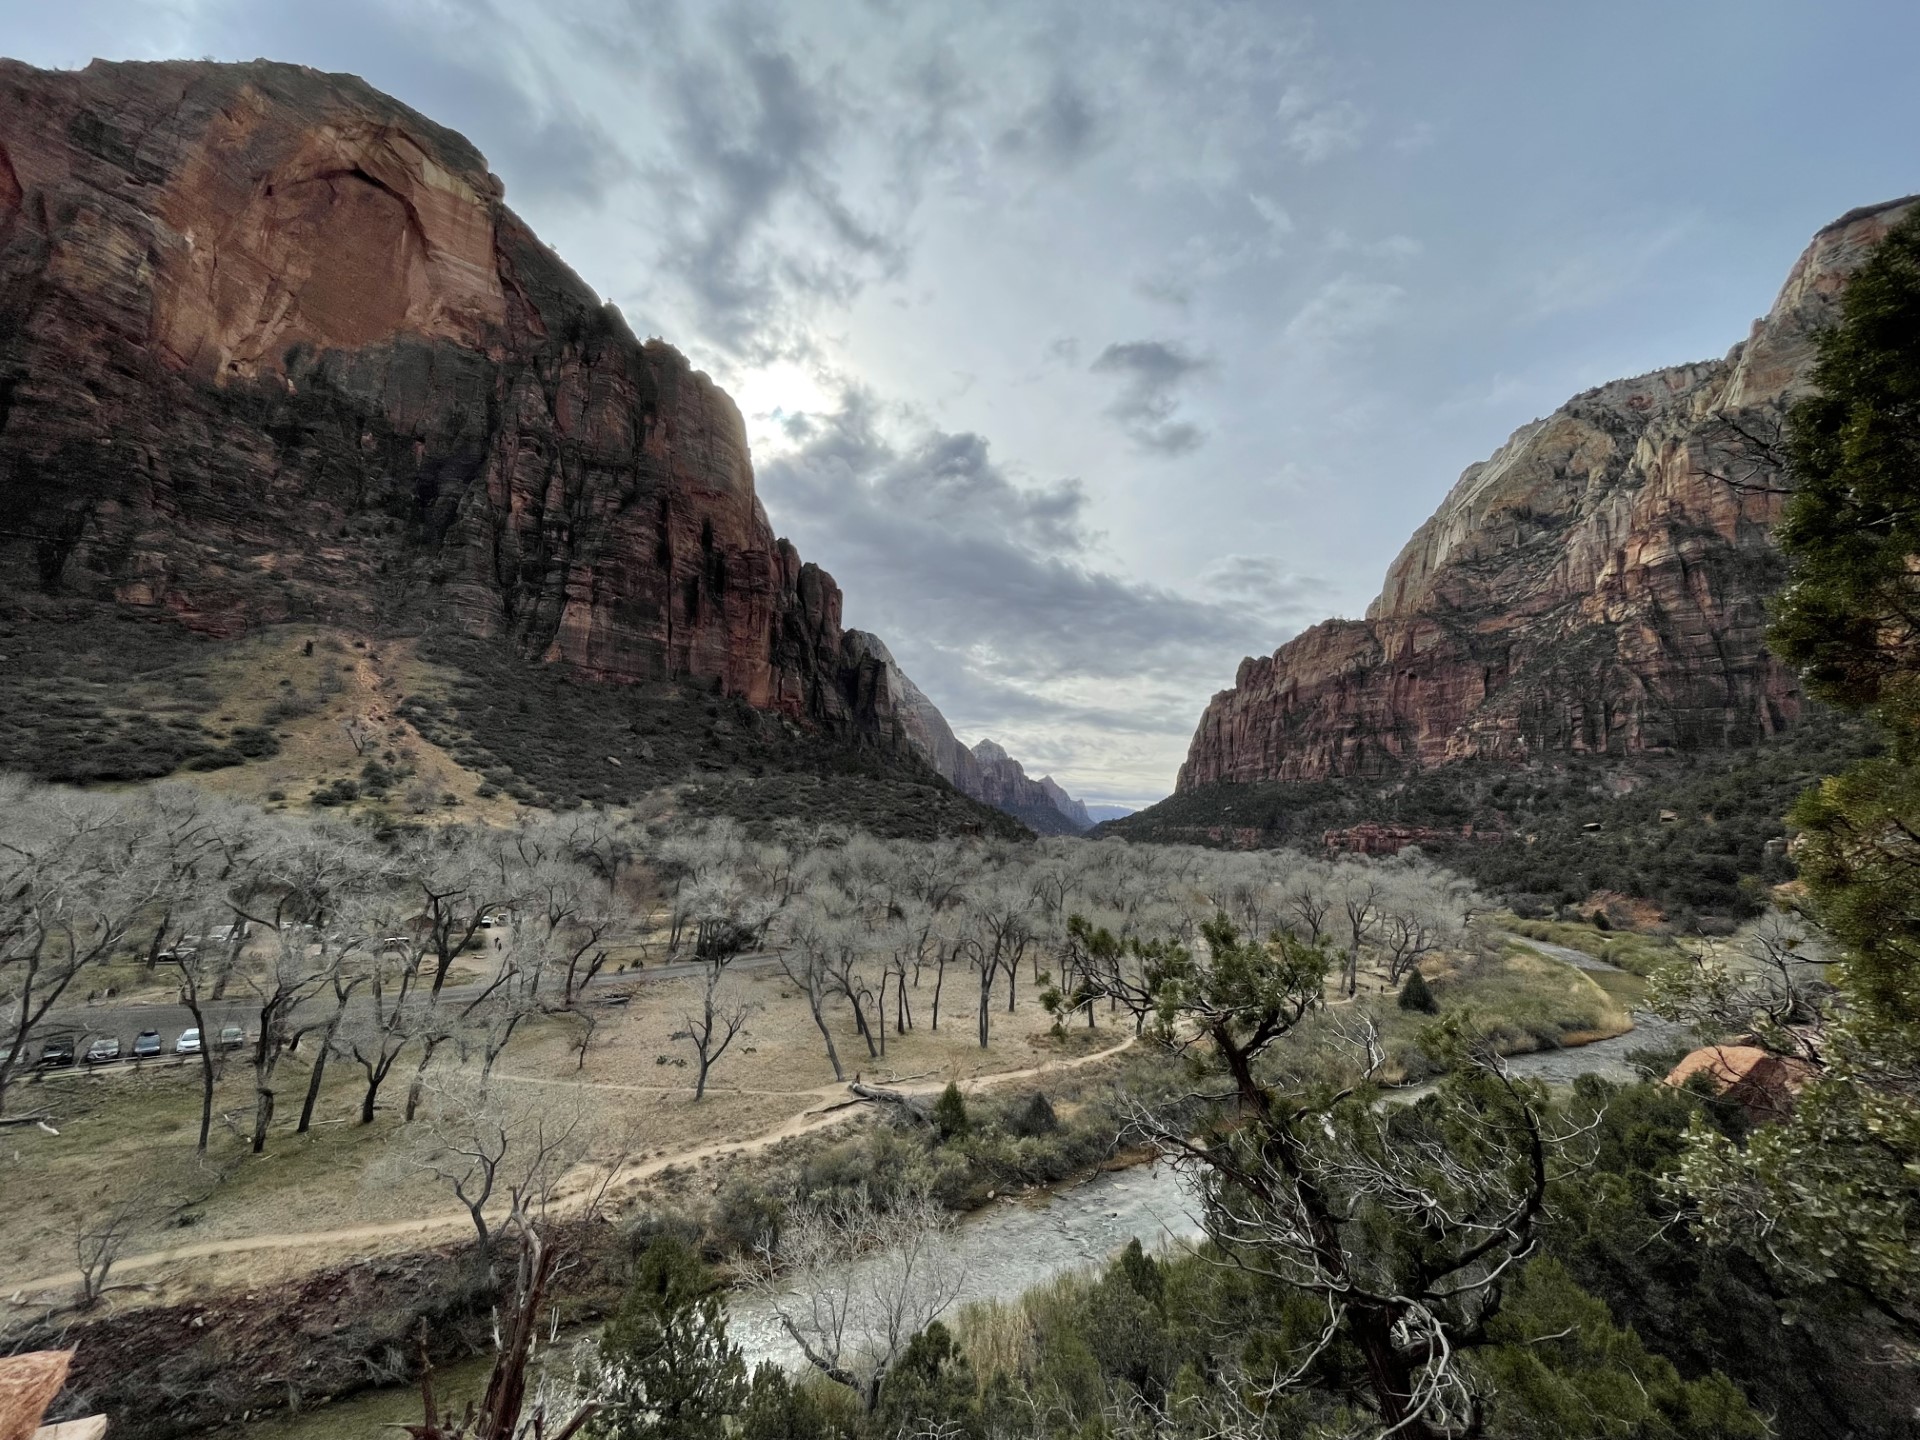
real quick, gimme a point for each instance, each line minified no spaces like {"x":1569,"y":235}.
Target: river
{"x":1006,"y":1249}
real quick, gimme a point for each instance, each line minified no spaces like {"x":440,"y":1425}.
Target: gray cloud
{"x":1152,"y":374}
{"x":1059,"y":130}
{"x":753,"y":137}
{"x":986,"y":588}
{"x":1316,"y":129}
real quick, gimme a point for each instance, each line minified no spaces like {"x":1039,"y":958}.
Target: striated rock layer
{"x":1599,"y":585}
{"x":272,"y":348}
{"x":986,"y":772}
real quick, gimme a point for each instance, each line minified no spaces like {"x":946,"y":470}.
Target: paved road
{"x":124,"y":1019}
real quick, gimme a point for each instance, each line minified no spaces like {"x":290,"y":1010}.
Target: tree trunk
{"x":262,"y":1116}
{"x":833,"y":1054}
{"x":319,"y":1071}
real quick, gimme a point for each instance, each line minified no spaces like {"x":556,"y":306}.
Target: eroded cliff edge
{"x":273,"y":348}
{"x":1598,"y":585}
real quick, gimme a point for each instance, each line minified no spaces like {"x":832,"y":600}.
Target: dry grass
{"x":122,"y":1130}
{"x":348,"y":677}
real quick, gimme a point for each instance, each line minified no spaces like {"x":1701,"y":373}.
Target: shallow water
{"x":1011,"y":1247}
{"x":1007,"y":1249}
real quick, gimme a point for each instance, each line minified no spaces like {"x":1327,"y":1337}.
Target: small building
{"x":1760,"y":1082}
{"x":28,"y":1385}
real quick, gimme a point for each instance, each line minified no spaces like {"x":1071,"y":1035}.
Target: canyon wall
{"x":986,"y":772}
{"x":1598,"y":586}
{"x":273,"y":348}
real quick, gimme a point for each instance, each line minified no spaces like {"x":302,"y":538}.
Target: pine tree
{"x":950,"y":1113}
{"x":667,"y":1369}
{"x":1416,"y":994}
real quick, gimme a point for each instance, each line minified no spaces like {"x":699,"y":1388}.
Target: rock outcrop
{"x":1041,"y":804}
{"x":273,"y":348}
{"x":986,"y":772}
{"x":1599,"y":585}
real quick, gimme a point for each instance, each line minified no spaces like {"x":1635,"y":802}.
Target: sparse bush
{"x":950,"y":1113}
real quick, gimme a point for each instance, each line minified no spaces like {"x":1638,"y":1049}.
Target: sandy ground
{"x":343,"y":1190}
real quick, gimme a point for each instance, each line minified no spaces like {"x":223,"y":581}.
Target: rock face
{"x":1598,"y":585}
{"x":272,"y":348}
{"x":986,"y":772}
{"x":1042,"y":804}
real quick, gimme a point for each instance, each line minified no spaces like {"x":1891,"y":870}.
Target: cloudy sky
{"x":1094,"y":344}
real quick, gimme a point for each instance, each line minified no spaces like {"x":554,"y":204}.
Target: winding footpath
{"x":832,"y":1105}
{"x":579,"y":1189}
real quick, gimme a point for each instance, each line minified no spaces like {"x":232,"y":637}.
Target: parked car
{"x":188,"y":1043}
{"x":56,"y":1052}
{"x":232,"y":1037}
{"x":106,"y":1048}
{"x":146,"y":1044}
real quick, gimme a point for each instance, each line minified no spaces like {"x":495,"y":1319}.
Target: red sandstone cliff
{"x":1598,"y":585}
{"x":273,"y":348}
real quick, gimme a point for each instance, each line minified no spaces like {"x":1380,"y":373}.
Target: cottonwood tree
{"x":813,"y":938}
{"x":294,"y":892}
{"x":852,"y":1282}
{"x":491,"y":1143}
{"x":77,"y":874}
{"x":720,"y":1016}
{"x":1359,"y":892}
{"x":999,"y":931}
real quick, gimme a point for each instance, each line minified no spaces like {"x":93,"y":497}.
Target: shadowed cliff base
{"x":406,"y":730}
{"x":1700,"y":835}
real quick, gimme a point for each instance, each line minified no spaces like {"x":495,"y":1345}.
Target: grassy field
{"x":1640,"y":954}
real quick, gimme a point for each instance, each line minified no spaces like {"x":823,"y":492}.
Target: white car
{"x":188,"y":1043}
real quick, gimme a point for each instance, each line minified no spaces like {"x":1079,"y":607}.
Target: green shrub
{"x":1416,"y":994}
{"x":950,"y":1113}
{"x":1033,"y":1118}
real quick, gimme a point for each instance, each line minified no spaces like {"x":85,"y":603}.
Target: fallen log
{"x":911,"y":1104}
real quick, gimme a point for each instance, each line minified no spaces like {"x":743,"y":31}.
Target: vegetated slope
{"x":400,"y":729}
{"x":273,"y":350}
{"x":1699,"y":835}
{"x":1598,"y":586}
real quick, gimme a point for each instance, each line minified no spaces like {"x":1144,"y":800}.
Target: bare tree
{"x":852,"y":1282}
{"x":721,"y":1016}
{"x":492,"y":1143}
{"x":805,"y":956}
{"x":1360,"y":902}
{"x":76,"y":875}
{"x":1769,"y":982}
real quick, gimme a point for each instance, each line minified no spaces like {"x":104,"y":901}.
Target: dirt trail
{"x":589,"y":1182}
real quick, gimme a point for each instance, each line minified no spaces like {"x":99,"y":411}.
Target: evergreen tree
{"x":1416,"y":994}
{"x":950,"y":1113}
{"x":931,"y":1384}
{"x":1829,"y":1197}
{"x":667,"y":1369}
{"x":1851,"y":616}
{"x":777,"y":1409}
